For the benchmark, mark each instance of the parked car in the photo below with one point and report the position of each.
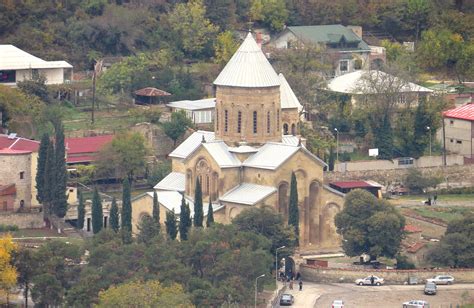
(430, 288)
(416, 304)
(337, 304)
(441, 279)
(286, 300)
(367, 281)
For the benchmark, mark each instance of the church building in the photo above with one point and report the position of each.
(249, 158)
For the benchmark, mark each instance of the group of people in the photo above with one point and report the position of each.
(432, 201)
(290, 280)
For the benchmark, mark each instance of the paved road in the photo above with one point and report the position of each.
(322, 295)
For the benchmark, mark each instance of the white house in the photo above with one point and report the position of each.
(18, 65)
(200, 111)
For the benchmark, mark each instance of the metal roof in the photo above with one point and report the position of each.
(248, 193)
(357, 83)
(192, 143)
(221, 154)
(271, 156)
(465, 112)
(248, 68)
(329, 34)
(288, 98)
(171, 200)
(149, 91)
(290, 140)
(173, 181)
(206, 103)
(13, 58)
(243, 149)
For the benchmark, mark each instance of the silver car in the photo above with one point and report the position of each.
(416, 304)
(367, 281)
(441, 279)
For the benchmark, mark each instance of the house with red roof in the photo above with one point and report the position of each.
(459, 131)
(84, 150)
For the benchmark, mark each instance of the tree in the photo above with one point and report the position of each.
(47, 290)
(60, 177)
(332, 159)
(264, 221)
(225, 47)
(177, 126)
(156, 210)
(193, 31)
(97, 215)
(210, 215)
(40, 167)
(35, 87)
(147, 230)
(126, 209)
(417, 11)
(456, 246)
(369, 225)
(171, 225)
(123, 157)
(114, 216)
(184, 220)
(198, 211)
(48, 181)
(8, 273)
(81, 211)
(144, 294)
(383, 137)
(293, 211)
(272, 13)
(25, 264)
(417, 183)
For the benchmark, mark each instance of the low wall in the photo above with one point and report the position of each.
(322, 274)
(23, 220)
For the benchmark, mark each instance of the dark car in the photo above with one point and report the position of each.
(430, 288)
(287, 300)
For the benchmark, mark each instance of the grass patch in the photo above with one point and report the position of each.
(35, 233)
(448, 197)
(445, 214)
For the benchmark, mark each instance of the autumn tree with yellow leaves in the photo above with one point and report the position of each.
(8, 274)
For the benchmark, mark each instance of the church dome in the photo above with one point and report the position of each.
(248, 68)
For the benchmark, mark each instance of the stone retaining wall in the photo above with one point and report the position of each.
(452, 175)
(321, 274)
(23, 220)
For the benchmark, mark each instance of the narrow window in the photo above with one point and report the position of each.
(22, 175)
(226, 120)
(278, 119)
(254, 122)
(217, 119)
(451, 122)
(458, 141)
(268, 122)
(208, 184)
(239, 122)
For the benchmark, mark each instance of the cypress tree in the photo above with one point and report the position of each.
(421, 134)
(156, 210)
(40, 168)
(293, 212)
(184, 220)
(171, 225)
(210, 215)
(60, 178)
(81, 211)
(198, 212)
(48, 180)
(97, 215)
(331, 159)
(126, 210)
(384, 138)
(114, 216)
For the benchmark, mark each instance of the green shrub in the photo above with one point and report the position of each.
(8, 228)
(404, 263)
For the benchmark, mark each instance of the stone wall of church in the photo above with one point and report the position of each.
(290, 119)
(248, 114)
(16, 169)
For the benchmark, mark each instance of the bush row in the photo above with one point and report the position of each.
(7, 228)
(456, 191)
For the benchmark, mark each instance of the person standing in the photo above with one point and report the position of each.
(435, 198)
(301, 285)
(291, 284)
(372, 279)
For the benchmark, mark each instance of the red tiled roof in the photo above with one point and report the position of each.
(415, 247)
(19, 143)
(352, 184)
(13, 152)
(6, 190)
(80, 159)
(87, 144)
(412, 229)
(465, 112)
(151, 92)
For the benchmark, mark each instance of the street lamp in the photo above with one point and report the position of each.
(429, 130)
(337, 144)
(256, 282)
(276, 265)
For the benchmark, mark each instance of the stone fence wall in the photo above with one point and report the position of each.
(328, 274)
(453, 176)
(23, 220)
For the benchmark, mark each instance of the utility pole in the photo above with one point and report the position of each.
(337, 144)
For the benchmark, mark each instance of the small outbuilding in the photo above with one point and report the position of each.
(371, 186)
(150, 95)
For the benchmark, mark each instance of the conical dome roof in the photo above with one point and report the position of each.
(248, 68)
(287, 96)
